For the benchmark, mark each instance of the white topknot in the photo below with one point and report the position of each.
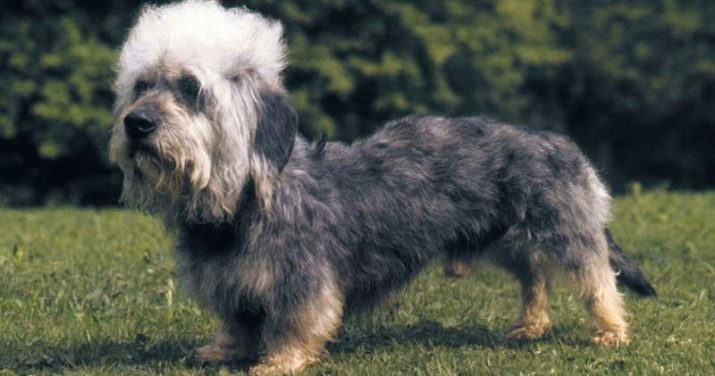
(202, 36)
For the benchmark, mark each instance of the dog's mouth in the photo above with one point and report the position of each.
(145, 159)
(142, 150)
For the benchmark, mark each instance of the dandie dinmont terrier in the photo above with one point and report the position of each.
(282, 238)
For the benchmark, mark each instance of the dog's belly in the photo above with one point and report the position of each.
(380, 272)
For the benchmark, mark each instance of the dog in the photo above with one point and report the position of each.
(282, 238)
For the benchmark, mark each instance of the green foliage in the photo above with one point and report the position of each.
(641, 80)
(57, 84)
(357, 64)
(623, 78)
(95, 292)
(625, 52)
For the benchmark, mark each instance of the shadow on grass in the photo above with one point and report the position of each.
(139, 352)
(167, 353)
(433, 334)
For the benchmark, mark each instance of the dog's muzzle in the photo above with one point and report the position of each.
(141, 122)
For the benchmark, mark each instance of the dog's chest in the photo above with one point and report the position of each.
(205, 241)
(216, 270)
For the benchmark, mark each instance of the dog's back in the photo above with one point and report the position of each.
(422, 186)
(467, 187)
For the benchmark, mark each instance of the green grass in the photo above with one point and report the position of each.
(94, 292)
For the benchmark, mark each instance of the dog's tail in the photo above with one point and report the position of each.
(628, 272)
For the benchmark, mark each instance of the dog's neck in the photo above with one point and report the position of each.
(248, 205)
(211, 238)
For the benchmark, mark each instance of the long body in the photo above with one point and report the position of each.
(367, 217)
(282, 238)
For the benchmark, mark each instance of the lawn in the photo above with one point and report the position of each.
(94, 292)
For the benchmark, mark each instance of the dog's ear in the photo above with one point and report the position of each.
(276, 130)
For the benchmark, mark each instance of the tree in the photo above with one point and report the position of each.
(633, 82)
(55, 97)
(639, 93)
(355, 65)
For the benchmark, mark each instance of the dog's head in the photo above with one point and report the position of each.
(201, 110)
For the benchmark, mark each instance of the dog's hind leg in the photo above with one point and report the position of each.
(604, 302)
(533, 319)
(297, 338)
(236, 339)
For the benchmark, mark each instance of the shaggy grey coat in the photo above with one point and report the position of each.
(368, 216)
(281, 238)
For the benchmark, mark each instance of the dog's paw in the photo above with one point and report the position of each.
(213, 354)
(526, 332)
(263, 369)
(287, 364)
(274, 369)
(610, 338)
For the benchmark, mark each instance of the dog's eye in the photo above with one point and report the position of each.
(141, 87)
(188, 87)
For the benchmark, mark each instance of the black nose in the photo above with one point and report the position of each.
(140, 122)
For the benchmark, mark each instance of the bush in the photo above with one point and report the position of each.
(625, 80)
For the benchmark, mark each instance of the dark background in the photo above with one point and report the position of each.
(633, 82)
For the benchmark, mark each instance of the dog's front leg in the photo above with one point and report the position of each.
(296, 338)
(236, 339)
